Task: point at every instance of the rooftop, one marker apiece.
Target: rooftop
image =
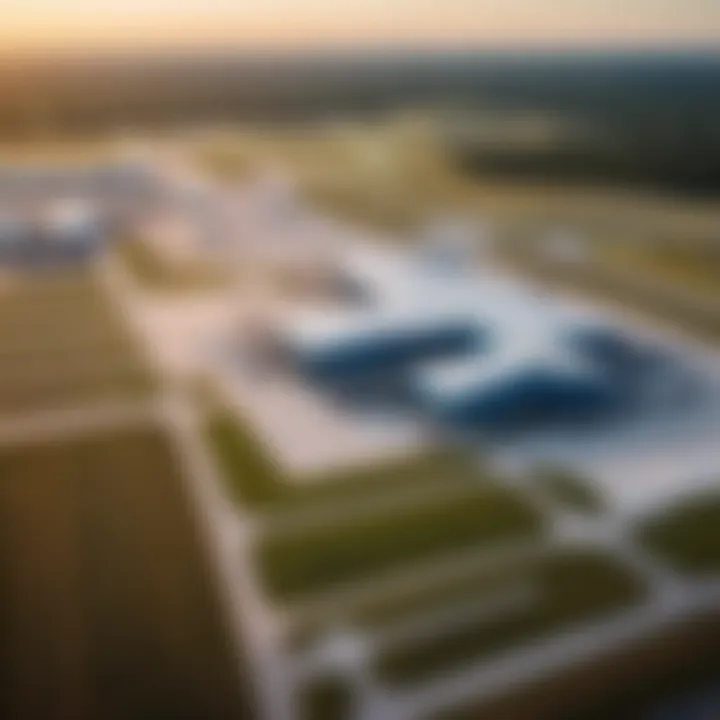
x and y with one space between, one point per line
521 330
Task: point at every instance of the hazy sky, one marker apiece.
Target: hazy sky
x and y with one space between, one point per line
242 23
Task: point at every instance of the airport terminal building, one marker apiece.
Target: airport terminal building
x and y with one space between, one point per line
460 348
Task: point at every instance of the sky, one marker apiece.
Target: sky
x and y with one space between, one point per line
78 24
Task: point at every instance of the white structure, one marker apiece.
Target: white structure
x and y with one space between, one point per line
53 234
468 348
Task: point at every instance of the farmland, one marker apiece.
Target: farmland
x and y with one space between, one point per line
109 609
62 343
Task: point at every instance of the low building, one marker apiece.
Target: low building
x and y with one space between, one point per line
54 235
100 182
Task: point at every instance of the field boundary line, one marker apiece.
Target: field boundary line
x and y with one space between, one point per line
73 421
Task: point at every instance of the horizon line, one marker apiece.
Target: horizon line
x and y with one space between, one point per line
379 49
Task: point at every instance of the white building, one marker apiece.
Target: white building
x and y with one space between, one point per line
54 234
467 348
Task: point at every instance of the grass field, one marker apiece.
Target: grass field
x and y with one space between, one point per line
313 559
63 343
108 607
378 612
255 481
687 536
326 698
471 510
571 589
629 683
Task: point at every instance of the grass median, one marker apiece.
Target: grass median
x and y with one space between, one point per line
319 558
571 588
376 613
257 482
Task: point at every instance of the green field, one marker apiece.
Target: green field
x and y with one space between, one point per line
687 536
627 683
108 608
326 698
255 481
470 510
571 589
313 559
378 612
63 343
